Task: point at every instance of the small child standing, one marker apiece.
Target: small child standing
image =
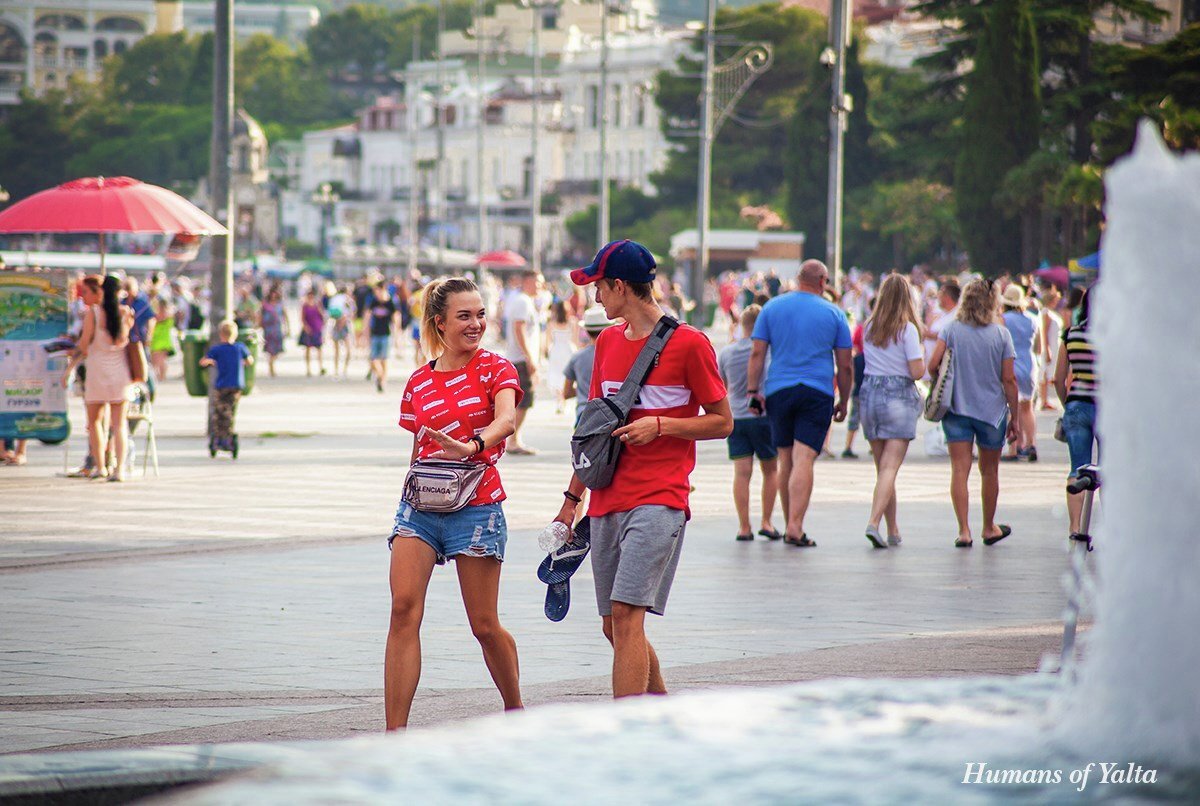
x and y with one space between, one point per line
230 357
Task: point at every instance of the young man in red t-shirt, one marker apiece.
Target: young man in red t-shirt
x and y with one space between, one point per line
637 522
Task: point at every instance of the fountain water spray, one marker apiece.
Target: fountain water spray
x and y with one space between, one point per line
1139 684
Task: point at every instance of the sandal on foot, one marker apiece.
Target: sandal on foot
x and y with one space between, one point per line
876 539
745 537
1005 531
802 541
962 544
771 534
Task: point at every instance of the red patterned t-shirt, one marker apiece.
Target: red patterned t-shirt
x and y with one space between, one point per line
460 403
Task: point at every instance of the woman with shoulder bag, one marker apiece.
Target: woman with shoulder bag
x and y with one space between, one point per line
461 407
983 403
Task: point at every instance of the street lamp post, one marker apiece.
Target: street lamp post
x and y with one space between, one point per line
440 175
480 67
220 161
325 199
535 174
835 59
603 205
704 191
411 95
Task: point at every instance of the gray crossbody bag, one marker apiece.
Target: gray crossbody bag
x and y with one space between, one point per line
594 449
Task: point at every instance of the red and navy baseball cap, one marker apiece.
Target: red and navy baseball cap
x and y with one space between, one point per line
618 260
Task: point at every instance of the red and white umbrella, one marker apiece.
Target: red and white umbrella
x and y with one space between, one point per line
108 204
501 259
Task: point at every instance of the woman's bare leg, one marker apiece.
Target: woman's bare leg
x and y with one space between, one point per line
479 579
412 565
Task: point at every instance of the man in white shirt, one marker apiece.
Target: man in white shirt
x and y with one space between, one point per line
947 309
522 346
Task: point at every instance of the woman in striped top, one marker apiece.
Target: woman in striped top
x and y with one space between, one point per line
1076 382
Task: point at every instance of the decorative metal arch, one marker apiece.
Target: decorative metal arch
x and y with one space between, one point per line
732 77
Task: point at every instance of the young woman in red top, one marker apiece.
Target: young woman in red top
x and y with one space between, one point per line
459 406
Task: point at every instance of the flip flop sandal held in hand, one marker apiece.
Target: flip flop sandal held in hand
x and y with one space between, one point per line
1005 531
559 565
558 600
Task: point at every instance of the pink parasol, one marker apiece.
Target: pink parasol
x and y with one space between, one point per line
103 205
501 259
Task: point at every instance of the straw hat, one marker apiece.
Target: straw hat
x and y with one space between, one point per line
595 318
1014 297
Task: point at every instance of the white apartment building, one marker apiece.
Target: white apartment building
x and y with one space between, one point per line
43 43
384 165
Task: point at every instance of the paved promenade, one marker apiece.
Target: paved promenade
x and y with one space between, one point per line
248 600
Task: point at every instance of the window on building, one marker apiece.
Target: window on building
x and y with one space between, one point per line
243 159
45 49
100 48
550 19
119 46
639 106
592 106
12 46
60 22
616 106
124 25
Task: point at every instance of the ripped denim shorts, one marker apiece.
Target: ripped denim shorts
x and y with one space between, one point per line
473 531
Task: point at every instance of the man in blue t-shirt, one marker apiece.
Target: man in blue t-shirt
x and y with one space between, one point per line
807 335
230 357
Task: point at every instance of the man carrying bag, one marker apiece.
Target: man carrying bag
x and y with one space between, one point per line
639 470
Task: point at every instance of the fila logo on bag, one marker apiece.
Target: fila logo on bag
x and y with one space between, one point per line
582 462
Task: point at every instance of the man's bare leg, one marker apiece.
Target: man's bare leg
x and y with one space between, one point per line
656 683
631 651
800 486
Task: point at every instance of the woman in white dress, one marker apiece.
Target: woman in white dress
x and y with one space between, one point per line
561 344
1051 334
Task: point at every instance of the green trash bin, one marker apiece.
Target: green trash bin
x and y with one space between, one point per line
253 341
194 344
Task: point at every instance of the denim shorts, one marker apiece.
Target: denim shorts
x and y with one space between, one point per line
379 347
1079 425
958 428
800 414
751 437
474 531
891 405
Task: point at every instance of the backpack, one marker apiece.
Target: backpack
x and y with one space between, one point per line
594 449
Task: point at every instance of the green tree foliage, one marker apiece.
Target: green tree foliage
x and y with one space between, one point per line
35 144
917 217
1001 128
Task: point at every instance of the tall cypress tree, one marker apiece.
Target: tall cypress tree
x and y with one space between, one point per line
1001 126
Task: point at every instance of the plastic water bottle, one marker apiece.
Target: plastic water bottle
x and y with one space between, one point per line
554 537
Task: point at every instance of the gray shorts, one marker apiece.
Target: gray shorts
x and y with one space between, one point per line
634 556
891 406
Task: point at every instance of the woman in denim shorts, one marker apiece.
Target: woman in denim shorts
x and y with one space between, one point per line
983 405
461 405
889 398
1076 382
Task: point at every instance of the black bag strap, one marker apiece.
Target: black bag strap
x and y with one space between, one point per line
646 361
